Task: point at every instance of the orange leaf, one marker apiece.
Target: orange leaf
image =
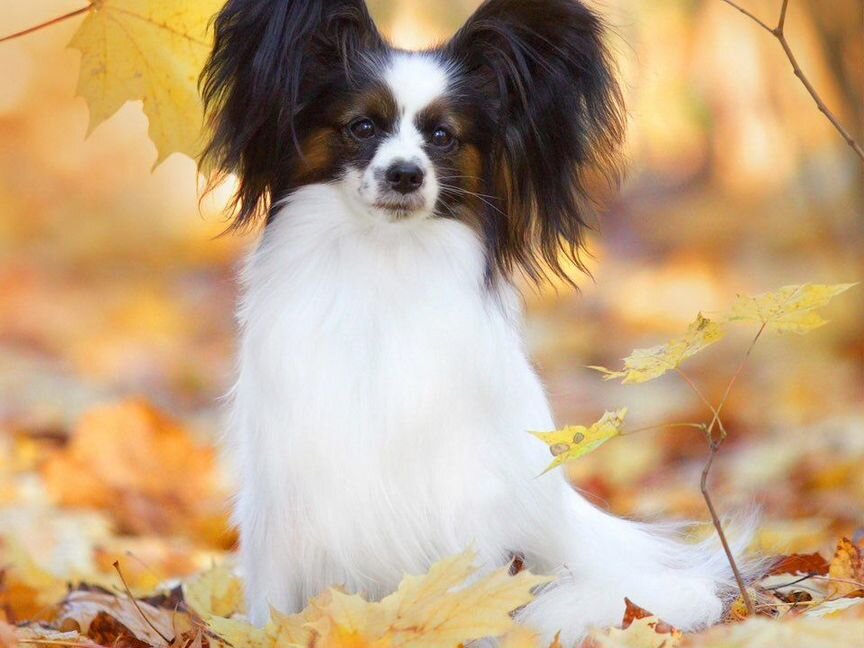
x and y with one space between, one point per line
802 564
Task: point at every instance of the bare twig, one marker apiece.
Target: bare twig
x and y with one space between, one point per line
739 580
135 603
714 446
51 22
780 34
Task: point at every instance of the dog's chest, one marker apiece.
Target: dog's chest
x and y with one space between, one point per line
390 399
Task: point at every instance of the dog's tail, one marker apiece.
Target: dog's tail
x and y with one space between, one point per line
686 584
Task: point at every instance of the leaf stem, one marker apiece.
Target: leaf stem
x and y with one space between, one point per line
50 23
663 426
135 603
779 32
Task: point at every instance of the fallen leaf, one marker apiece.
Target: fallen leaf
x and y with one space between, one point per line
800 564
632 612
140 466
522 637
789 632
215 592
644 632
789 309
27 592
647 364
438 610
835 606
575 441
149 50
847 568
104 617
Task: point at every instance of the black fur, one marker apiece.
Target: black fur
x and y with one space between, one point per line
274 64
560 114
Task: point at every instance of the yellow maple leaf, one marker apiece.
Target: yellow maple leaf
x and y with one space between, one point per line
647 364
790 632
789 309
283 630
149 50
215 592
437 610
522 637
575 441
647 632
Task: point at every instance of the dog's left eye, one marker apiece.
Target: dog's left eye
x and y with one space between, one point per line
441 137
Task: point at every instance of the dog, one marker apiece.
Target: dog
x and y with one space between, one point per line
379 421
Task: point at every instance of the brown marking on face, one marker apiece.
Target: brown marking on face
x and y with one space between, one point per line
318 156
375 102
439 113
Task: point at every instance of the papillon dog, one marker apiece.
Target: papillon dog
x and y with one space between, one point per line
380 418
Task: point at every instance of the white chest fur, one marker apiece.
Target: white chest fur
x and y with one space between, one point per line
380 416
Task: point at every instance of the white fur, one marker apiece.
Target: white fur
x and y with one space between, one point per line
379 424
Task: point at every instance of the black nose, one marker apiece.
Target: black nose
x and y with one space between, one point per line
404 177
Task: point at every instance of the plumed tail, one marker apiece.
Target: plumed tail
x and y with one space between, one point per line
689 585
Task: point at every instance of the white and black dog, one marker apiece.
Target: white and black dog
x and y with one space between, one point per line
380 417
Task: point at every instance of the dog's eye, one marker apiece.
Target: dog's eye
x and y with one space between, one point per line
441 137
362 128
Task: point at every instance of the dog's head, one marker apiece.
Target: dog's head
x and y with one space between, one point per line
497 128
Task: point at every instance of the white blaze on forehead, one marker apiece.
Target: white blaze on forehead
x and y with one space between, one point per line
415 80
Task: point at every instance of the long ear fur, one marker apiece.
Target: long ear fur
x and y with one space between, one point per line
271 60
561 116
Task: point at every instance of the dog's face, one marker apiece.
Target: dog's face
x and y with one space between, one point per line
400 141
496 128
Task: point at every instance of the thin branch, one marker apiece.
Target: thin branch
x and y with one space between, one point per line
781 23
50 23
718 525
762 24
780 34
716 420
696 390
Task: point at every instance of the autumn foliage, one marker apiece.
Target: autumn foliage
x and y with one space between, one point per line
114 529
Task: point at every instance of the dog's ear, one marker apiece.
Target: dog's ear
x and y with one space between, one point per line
560 115
271 59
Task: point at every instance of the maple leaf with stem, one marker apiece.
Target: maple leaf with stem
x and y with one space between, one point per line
791 309
148 50
647 364
575 441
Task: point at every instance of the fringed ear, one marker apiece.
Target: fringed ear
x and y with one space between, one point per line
271 61
560 114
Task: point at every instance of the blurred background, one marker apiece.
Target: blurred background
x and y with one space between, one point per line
116 291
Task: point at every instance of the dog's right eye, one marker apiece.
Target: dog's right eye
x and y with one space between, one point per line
362 129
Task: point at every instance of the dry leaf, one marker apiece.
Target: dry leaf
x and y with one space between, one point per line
149 50
521 637
644 632
27 592
575 441
438 610
647 364
215 592
790 632
847 567
142 467
104 616
801 564
789 309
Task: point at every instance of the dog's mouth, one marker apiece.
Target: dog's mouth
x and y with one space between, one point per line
399 207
